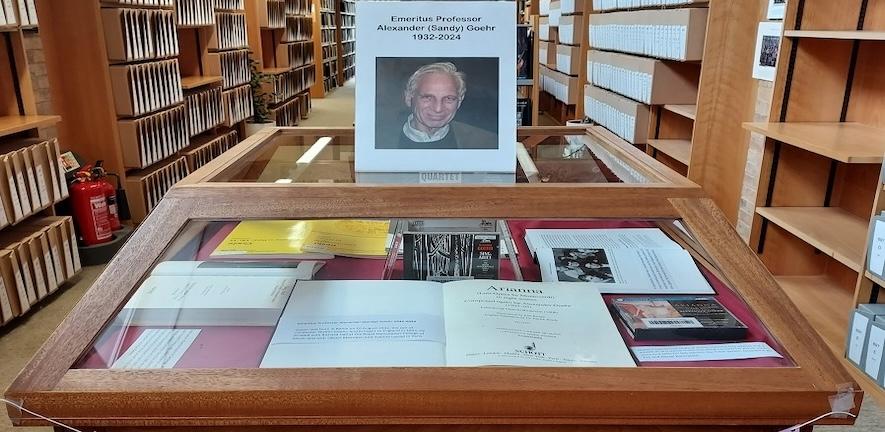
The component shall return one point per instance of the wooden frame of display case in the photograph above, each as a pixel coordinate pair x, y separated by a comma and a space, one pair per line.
433, 399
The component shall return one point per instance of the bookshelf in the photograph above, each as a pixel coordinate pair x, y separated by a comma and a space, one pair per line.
562, 52
38, 250
346, 40
820, 179
283, 50
156, 92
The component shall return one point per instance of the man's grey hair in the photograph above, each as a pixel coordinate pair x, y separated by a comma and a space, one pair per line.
441, 67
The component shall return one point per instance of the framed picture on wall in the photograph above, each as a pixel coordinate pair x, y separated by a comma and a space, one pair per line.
768, 41
777, 9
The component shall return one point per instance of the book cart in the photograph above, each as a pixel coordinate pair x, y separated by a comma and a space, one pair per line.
288, 173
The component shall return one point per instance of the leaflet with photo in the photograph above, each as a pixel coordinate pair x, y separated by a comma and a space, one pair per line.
394, 323
617, 261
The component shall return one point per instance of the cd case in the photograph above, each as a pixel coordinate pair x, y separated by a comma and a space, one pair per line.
667, 318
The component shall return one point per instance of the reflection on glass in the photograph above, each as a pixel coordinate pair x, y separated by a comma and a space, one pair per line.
307, 156
434, 292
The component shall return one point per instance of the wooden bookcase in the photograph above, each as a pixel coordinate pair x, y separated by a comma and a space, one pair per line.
823, 153
207, 43
568, 102
531, 89
38, 250
346, 40
282, 46
334, 43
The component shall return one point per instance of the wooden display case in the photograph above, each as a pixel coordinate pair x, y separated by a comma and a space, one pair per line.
60, 384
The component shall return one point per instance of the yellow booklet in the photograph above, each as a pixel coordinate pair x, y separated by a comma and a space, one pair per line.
306, 239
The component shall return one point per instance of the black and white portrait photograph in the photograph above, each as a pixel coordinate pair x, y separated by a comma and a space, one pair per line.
583, 265
436, 103
768, 41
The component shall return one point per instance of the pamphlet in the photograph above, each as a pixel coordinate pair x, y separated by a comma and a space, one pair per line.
686, 353
157, 349
305, 239
463, 323
617, 261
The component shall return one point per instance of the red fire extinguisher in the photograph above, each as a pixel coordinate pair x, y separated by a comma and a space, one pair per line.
110, 193
90, 207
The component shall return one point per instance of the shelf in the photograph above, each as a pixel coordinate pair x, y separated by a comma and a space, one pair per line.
845, 142
687, 111
275, 71
15, 124
525, 82
876, 279
191, 82
675, 148
824, 304
832, 230
835, 34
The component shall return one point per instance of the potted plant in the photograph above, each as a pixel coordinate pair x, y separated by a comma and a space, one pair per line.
261, 101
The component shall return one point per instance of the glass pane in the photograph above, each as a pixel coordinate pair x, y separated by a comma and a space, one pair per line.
296, 155
432, 292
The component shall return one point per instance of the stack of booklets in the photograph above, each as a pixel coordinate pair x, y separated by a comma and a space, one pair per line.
430, 324
305, 239
617, 261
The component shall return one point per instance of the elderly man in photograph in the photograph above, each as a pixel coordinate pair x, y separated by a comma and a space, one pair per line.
433, 94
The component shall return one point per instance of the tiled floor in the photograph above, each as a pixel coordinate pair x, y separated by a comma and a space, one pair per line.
21, 340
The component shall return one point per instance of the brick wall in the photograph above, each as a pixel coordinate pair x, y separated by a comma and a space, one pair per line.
39, 77
764, 91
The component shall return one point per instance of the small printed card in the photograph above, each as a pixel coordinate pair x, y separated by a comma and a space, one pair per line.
726, 351
157, 349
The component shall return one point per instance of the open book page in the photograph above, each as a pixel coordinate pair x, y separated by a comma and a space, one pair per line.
539, 239
625, 271
530, 324
360, 324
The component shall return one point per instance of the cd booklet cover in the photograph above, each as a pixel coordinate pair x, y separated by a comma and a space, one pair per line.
445, 257
678, 318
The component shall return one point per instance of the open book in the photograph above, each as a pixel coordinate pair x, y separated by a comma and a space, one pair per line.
463, 323
617, 261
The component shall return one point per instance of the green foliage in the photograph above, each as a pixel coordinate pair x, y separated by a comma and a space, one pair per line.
261, 100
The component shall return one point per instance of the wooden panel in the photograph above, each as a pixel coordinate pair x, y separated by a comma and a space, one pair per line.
8, 100
845, 142
192, 82
801, 179
687, 111
868, 90
677, 149
672, 125
825, 304
14, 124
819, 76
844, 35
726, 97
875, 16
830, 15
788, 255
855, 188
832, 230
80, 80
